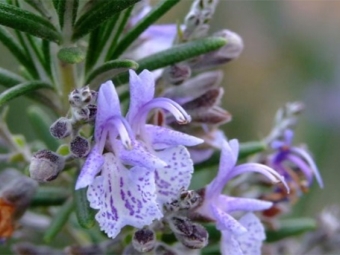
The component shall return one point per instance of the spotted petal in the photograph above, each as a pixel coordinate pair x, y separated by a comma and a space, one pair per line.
251, 241
90, 169
226, 222
229, 245
129, 197
162, 138
171, 179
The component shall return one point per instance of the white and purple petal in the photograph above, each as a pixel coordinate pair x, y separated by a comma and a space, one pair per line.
252, 240
128, 197
226, 222
174, 177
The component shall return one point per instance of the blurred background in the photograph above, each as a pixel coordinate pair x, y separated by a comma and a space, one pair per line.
292, 53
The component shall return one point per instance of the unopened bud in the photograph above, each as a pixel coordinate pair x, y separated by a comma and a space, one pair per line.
181, 226
46, 165
81, 114
198, 238
163, 249
144, 240
61, 128
81, 97
188, 199
80, 147
92, 112
177, 74
230, 51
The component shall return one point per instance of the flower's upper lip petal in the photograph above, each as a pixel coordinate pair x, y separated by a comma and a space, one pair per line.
305, 169
169, 137
90, 169
108, 105
142, 89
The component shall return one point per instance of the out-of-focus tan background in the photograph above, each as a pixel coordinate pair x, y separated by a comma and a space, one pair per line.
292, 52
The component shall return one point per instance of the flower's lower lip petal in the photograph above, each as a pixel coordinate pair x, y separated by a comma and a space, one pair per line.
140, 156
90, 169
251, 242
229, 245
160, 135
308, 172
231, 204
174, 177
129, 197
226, 222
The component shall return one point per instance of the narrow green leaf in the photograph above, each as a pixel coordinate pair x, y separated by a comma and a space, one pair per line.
291, 228
61, 11
100, 12
47, 57
28, 22
22, 89
246, 149
175, 55
71, 55
59, 220
142, 25
41, 123
109, 70
50, 196
85, 214
40, 7
93, 51
18, 52
9, 79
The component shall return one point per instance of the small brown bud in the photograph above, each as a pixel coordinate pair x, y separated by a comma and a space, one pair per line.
46, 165
198, 238
144, 240
177, 74
80, 147
61, 128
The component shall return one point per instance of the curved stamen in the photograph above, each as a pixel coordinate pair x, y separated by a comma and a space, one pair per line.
123, 130
262, 169
161, 102
305, 156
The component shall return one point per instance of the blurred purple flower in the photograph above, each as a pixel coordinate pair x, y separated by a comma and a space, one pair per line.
286, 156
238, 237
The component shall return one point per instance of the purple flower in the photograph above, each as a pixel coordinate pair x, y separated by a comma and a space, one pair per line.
286, 156
246, 235
144, 165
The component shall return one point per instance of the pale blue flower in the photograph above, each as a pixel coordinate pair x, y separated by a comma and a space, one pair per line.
237, 236
143, 165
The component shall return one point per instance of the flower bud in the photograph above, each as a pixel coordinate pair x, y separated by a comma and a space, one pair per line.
81, 114
61, 128
181, 226
80, 147
46, 165
198, 238
177, 74
92, 112
230, 51
144, 240
79, 98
